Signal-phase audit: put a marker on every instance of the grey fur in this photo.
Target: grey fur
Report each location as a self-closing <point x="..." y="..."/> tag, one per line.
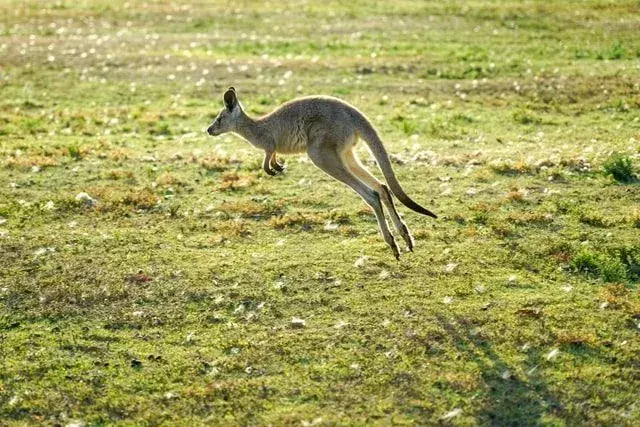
<point x="327" y="129"/>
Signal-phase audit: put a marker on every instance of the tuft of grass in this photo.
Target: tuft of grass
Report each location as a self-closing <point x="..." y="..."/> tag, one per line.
<point x="510" y="167"/>
<point x="596" y="219"/>
<point x="600" y="266"/>
<point x="214" y="163"/>
<point x="232" y="181"/>
<point x="617" y="51"/>
<point x="526" y="118"/>
<point x="620" y="168"/>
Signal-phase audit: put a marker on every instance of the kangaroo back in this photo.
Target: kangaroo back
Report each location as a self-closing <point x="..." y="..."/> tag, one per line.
<point x="370" y="136"/>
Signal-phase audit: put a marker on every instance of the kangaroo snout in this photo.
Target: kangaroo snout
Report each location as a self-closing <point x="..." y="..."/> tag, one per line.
<point x="211" y="131"/>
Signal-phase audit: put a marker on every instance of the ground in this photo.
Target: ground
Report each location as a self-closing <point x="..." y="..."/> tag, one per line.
<point x="185" y="286"/>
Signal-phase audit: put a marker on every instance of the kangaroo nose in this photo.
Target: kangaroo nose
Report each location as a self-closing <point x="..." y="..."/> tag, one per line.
<point x="210" y="131"/>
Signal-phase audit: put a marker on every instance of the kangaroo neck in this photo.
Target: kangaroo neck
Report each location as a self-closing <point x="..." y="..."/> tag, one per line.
<point x="252" y="130"/>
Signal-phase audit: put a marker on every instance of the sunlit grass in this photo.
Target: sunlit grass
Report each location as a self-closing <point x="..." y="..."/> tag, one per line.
<point x="151" y="274"/>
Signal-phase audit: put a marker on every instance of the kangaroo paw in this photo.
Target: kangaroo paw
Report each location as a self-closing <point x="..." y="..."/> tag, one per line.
<point x="396" y="251"/>
<point x="278" y="167"/>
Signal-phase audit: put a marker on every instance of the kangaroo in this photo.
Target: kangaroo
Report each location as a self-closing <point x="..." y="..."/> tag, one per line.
<point x="327" y="129"/>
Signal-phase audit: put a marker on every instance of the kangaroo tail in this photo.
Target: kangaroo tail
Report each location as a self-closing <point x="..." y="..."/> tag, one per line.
<point x="370" y="136"/>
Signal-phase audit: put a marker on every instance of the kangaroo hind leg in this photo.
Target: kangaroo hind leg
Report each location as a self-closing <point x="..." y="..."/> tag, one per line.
<point x="353" y="163"/>
<point x="327" y="159"/>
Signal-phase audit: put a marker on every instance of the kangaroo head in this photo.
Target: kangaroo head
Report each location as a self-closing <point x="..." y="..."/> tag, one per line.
<point x="227" y="118"/>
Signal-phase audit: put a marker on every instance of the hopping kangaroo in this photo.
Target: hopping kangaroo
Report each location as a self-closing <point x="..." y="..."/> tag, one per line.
<point x="327" y="129"/>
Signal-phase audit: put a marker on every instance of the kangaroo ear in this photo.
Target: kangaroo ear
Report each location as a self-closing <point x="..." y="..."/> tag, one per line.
<point x="230" y="99"/>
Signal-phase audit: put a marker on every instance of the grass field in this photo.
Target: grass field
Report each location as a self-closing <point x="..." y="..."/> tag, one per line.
<point x="174" y="290"/>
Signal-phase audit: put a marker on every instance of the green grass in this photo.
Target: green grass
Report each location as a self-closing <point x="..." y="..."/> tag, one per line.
<point x="166" y="293"/>
<point x="620" y="168"/>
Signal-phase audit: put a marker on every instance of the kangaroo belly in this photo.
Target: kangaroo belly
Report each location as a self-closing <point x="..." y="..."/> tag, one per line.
<point x="291" y="146"/>
<point x="294" y="141"/>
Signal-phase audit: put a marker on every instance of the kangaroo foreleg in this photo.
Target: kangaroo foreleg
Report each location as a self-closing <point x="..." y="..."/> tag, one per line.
<point x="275" y="164"/>
<point x="266" y="163"/>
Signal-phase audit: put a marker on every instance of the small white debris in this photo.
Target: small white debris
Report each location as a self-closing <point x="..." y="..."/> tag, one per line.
<point x="298" y="323"/>
<point x="481" y="289"/>
<point x="2" y="220"/>
<point x="248" y="369"/>
<point x="4" y="234"/>
<point x="567" y="288"/>
<point x="360" y="261"/>
<point x="447" y="300"/>
<point x="552" y="354"/>
<point x="239" y="309"/>
<point x="330" y="226"/>
<point x="386" y="323"/>
<point x="279" y="284"/>
<point x="137" y="314"/>
<point x="450" y="267"/>
<point x="446" y="190"/>
<point x="451" y="414"/>
<point x="505" y="375"/>
<point x="532" y="370"/>
<point x="526" y="346"/>
<point x="604" y="305"/>
<point x="512" y="280"/>
<point x="280" y="242"/>
<point x="384" y="274"/>
<point x="35" y="169"/>
<point x="191" y="338"/>
<point x="169" y="395"/>
<point x="42" y="251"/>
<point x="87" y="199"/>
<point x="49" y="205"/>
<point x="312" y="423"/>
<point x="472" y="192"/>
<point x="75" y="423"/>
<point x="72" y="224"/>
<point x="341" y="324"/>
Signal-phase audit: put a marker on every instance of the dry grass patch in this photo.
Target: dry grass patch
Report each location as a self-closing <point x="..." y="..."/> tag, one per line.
<point x="231" y="181"/>
<point x="112" y="199"/>
<point x="119" y="174"/>
<point x="28" y="162"/>
<point x="213" y="163"/>
<point x="226" y="229"/>
<point x="596" y="219"/>
<point x="511" y="167"/>
<point x="576" y="338"/>
<point x="516" y="194"/>
<point x="167" y="179"/>
<point x="304" y="221"/>
<point x="251" y="208"/>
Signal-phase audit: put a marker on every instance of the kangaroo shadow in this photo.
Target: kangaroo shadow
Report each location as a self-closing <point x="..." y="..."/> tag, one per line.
<point x="511" y="400"/>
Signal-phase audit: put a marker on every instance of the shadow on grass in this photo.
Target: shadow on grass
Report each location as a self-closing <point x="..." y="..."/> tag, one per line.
<point x="510" y="400"/>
